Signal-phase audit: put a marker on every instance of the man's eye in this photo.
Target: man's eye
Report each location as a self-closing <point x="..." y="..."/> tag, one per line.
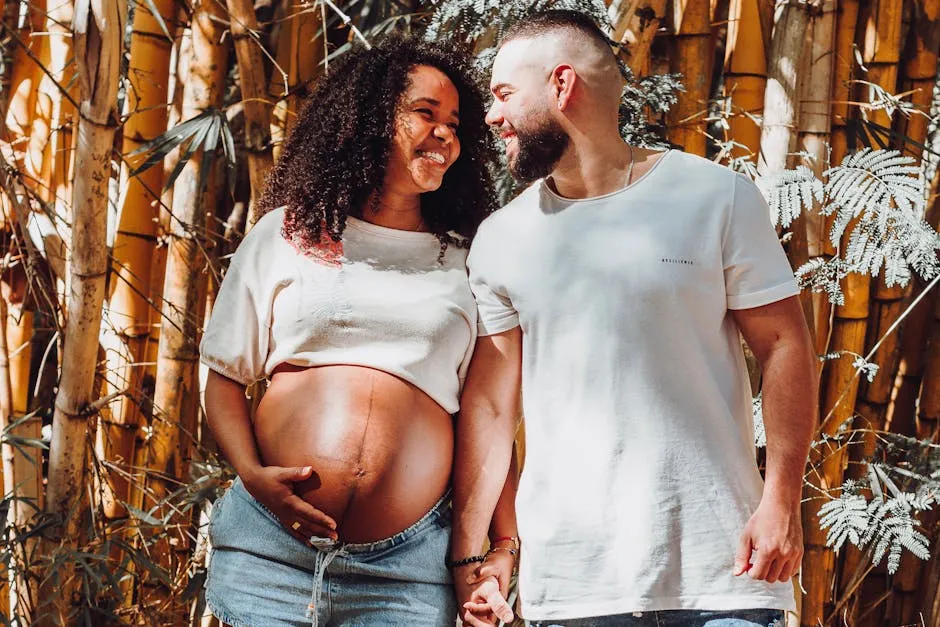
<point x="425" y="111"/>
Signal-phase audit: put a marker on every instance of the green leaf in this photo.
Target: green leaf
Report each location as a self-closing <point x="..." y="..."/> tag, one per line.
<point x="142" y="515"/>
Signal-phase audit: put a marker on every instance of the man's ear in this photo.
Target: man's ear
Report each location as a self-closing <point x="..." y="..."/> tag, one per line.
<point x="563" y="80"/>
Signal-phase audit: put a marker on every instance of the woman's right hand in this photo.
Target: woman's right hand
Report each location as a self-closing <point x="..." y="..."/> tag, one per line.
<point x="273" y="487"/>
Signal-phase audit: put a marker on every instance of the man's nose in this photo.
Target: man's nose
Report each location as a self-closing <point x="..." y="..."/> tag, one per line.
<point x="494" y="117"/>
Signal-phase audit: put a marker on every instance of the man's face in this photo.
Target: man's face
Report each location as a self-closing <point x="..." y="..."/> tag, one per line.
<point x="523" y="112"/>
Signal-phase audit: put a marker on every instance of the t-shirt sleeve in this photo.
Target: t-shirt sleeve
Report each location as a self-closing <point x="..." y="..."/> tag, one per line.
<point x="235" y="340"/>
<point x="495" y="312"/>
<point x="755" y="267"/>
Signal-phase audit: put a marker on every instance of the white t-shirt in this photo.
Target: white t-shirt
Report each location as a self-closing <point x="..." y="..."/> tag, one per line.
<point x="640" y="471"/>
<point x="378" y="298"/>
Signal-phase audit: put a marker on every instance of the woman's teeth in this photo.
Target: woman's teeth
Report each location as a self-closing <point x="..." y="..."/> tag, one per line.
<point x="433" y="156"/>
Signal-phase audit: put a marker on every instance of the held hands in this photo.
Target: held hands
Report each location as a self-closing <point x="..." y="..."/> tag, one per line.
<point x="771" y="546"/>
<point x="273" y="486"/>
<point x="482" y="592"/>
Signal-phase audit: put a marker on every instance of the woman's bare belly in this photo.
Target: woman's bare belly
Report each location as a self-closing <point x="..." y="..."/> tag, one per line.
<point x="380" y="448"/>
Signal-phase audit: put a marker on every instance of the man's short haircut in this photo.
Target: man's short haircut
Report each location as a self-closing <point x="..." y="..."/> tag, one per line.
<point x="553" y="20"/>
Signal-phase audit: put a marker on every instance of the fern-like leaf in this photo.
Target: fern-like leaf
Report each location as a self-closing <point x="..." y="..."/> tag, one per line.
<point x="789" y="192"/>
<point x="883" y="192"/>
<point x="846" y="518"/>
<point x="821" y="275"/>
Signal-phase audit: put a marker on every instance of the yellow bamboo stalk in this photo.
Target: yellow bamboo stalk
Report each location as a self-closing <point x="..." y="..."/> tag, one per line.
<point x="22" y="474"/>
<point x="692" y="55"/>
<point x="11" y="18"/>
<point x="8" y="596"/>
<point x="814" y="129"/>
<point x="58" y="158"/>
<point x="745" y="75"/>
<point x="847" y="15"/>
<point x="781" y="101"/>
<point x="176" y="393"/>
<point x="781" y="96"/>
<point x="299" y="54"/>
<point x="813" y="139"/>
<point x="881" y="26"/>
<point x="134" y="247"/>
<point x="920" y="70"/>
<point x="257" y="105"/>
<point x="929" y="590"/>
<point x="29" y="55"/>
<point x="98" y="32"/>
<point x="635" y="24"/>
<point x="908" y="598"/>
<point x="827" y="462"/>
<point x="181" y="57"/>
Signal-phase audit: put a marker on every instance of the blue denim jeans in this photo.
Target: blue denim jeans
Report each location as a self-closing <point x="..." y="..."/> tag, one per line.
<point x="261" y="576"/>
<point x="675" y="618"/>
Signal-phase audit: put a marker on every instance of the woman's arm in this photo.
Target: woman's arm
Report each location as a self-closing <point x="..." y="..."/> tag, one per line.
<point x="228" y="416"/>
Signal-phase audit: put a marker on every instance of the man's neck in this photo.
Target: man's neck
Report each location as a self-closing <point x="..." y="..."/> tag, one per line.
<point x="592" y="167"/>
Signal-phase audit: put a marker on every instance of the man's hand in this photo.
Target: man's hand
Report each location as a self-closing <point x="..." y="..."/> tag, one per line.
<point x="486" y="605"/>
<point x="482" y="591"/>
<point x="273" y="486"/>
<point x="771" y="546"/>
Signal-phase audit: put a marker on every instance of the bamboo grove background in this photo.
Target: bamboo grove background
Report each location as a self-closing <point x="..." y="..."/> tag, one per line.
<point x="135" y="137"/>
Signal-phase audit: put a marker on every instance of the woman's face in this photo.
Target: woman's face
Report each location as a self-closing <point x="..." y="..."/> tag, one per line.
<point x="425" y="142"/>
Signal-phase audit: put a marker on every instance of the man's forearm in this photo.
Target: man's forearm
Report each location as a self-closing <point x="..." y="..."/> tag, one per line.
<point x="481" y="466"/>
<point x="789" y="398"/>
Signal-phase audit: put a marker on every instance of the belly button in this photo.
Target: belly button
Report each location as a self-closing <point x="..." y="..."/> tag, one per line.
<point x="361" y="473"/>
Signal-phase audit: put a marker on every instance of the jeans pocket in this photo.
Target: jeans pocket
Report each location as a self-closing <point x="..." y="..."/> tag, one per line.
<point x="215" y="515"/>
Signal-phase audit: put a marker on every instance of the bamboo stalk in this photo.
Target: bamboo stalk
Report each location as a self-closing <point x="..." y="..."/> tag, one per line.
<point x="692" y="55"/>
<point x="30" y="55"/>
<point x="745" y="75"/>
<point x="10" y="596"/>
<point x="11" y="19"/>
<point x="300" y="51"/>
<point x="98" y="32"/>
<point x="813" y="139"/>
<point x="58" y="157"/>
<point x="847" y="15"/>
<point x="22" y="474"/>
<point x="780" y="95"/>
<point x="814" y="129"/>
<point x="881" y="25"/>
<point x="920" y="71"/>
<point x="928" y="415"/>
<point x="180" y="58"/>
<point x="635" y="24"/>
<point x="176" y="393"/>
<point x="134" y="247"/>
<point x="255" y="99"/>
<point x="781" y="98"/>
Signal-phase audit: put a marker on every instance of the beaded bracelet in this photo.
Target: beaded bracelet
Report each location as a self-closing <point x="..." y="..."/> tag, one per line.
<point x="467" y="560"/>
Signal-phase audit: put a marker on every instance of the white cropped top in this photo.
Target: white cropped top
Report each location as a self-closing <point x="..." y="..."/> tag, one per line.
<point x="378" y="298"/>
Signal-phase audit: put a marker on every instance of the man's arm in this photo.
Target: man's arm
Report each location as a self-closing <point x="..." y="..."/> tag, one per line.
<point x="486" y="429"/>
<point x="778" y="336"/>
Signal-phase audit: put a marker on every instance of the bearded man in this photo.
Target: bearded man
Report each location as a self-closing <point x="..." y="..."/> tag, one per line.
<point x="613" y="291"/>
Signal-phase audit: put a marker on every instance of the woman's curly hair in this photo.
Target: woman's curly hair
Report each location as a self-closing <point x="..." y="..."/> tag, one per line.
<point x="335" y="156"/>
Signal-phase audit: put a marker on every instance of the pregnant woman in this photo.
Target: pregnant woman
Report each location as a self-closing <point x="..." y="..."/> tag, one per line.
<point x="350" y="296"/>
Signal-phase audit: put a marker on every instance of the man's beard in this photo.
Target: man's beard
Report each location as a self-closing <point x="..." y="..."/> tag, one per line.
<point x="539" y="150"/>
